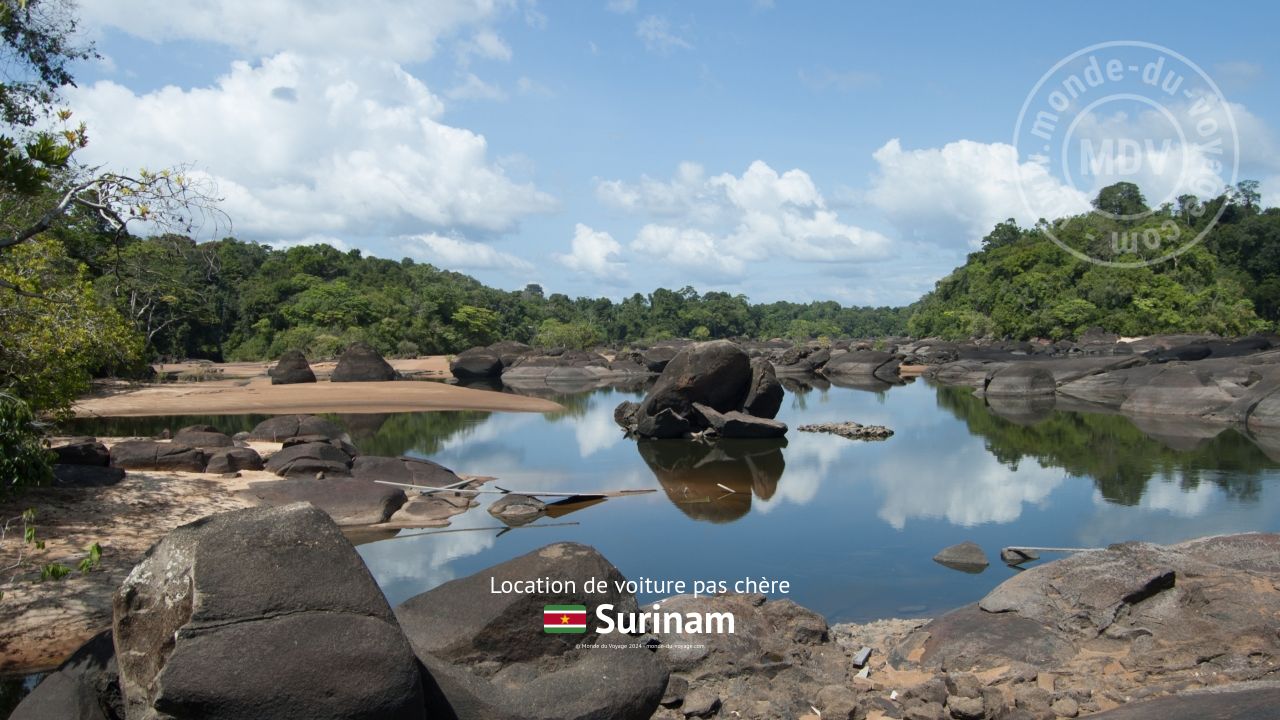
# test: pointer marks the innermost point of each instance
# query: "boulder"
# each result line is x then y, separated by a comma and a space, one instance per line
625, 415
487, 658
152, 455
411, 471
82, 451
478, 362
875, 363
517, 509
283, 427
229, 460
1243, 701
965, 557
265, 613
1181, 390
764, 398
85, 687
716, 374
1111, 388
345, 500
291, 369
1021, 380
508, 351
1184, 353
308, 459
82, 476
361, 363
737, 425
200, 437
656, 358
666, 425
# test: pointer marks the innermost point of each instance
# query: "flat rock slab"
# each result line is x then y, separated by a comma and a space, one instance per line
1249, 703
345, 500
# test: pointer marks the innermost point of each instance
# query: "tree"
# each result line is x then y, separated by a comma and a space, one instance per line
1122, 200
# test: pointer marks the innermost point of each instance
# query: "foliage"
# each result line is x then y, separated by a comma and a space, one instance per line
1022, 286
573, 335
23, 459
55, 330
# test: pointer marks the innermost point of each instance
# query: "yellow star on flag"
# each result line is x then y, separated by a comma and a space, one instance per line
564, 619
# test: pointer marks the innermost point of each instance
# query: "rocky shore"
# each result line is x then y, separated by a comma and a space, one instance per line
1132, 631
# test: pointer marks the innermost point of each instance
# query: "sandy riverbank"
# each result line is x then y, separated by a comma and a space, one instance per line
244, 388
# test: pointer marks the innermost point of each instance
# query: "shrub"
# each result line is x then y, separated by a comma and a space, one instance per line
23, 459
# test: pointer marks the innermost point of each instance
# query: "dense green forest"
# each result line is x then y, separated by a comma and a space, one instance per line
1020, 285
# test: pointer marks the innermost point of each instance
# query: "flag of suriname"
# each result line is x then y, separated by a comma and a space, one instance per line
564, 618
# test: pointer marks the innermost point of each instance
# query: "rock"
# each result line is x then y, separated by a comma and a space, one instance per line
84, 476
488, 660
700, 703
1265, 414
1018, 556
345, 500
1110, 388
1184, 353
266, 613
625, 415
231, 460
677, 688
665, 425
966, 708
927, 711
764, 398
152, 455
736, 425
966, 557
361, 363
971, 639
1182, 391
291, 369
85, 687
509, 351
656, 358
1021, 379
851, 430
1246, 701
478, 362
875, 363
716, 374
933, 690
199, 437
309, 458
82, 451
410, 471
339, 443
517, 509
1065, 707
283, 427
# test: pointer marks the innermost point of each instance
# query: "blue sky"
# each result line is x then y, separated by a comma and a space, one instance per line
786, 150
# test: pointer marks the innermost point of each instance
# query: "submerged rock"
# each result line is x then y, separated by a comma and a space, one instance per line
965, 557
850, 430
517, 509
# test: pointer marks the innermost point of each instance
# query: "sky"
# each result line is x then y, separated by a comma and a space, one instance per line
783, 150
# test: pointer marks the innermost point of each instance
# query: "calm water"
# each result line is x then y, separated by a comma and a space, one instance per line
851, 525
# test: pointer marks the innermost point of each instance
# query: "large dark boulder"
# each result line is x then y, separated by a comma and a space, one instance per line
283, 427
478, 362
152, 455
361, 363
261, 614
508, 351
202, 436
82, 451
865, 363
1021, 380
656, 358
292, 369
764, 399
229, 460
307, 459
738, 425
716, 374
347, 501
488, 658
85, 687
83, 476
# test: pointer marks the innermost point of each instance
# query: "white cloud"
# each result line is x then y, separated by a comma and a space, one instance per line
719, 224
593, 252
621, 7
385, 29
456, 253
300, 146
485, 44
473, 88
960, 191
656, 32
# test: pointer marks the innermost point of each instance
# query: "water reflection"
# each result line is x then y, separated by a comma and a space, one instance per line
715, 482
